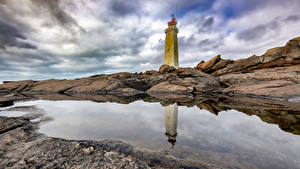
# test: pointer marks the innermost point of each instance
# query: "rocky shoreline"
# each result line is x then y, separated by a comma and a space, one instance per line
267, 86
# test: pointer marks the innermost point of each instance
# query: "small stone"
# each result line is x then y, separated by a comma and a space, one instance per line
166, 69
88, 150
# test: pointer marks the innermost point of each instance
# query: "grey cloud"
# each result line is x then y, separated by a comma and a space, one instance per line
259, 31
158, 59
57, 13
205, 42
192, 43
9, 35
208, 22
160, 46
186, 43
124, 7
252, 33
25, 45
292, 18
37, 59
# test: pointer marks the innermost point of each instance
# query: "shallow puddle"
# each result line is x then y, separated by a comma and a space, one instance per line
229, 139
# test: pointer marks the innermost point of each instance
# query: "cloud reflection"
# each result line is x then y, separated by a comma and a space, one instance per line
243, 141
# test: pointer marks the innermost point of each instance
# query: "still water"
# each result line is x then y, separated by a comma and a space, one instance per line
231, 139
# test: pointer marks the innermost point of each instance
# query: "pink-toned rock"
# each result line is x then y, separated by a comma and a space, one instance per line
57, 86
95, 86
167, 87
214, 64
14, 86
276, 57
274, 88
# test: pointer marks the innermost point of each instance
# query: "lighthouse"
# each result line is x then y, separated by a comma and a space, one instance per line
171, 117
171, 44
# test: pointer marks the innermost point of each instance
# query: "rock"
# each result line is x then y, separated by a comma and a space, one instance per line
8, 124
141, 84
275, 74
126, 83
88, 150
214, 64
279, 82
16, 86
209, 64
166, 87
275, 57
274, 88
120, 75
151, 72
186, 80
56, 86
95, 86
166, 69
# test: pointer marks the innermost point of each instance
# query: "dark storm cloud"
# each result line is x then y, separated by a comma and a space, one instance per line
9, 36
124, 7
192, 43
57, 13
292, 18
253, 33
186, 42
259, 31
208, 22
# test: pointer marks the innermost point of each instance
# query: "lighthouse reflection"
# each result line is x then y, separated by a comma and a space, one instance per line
171, 118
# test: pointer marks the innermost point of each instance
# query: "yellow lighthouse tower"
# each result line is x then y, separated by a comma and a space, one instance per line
171, 117
171, 44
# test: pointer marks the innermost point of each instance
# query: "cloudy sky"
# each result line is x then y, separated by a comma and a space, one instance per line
42, 39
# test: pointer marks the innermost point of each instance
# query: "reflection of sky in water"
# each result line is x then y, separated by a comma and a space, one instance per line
229, 139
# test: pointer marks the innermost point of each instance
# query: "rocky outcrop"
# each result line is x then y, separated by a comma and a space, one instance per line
168, 79
279, 82
275, 74
213, 65
275, 57
185, 80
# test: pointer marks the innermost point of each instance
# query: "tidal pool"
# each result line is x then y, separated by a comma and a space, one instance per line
230, 139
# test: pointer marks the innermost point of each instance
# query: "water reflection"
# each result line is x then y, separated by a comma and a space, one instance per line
171, 118
230, 139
